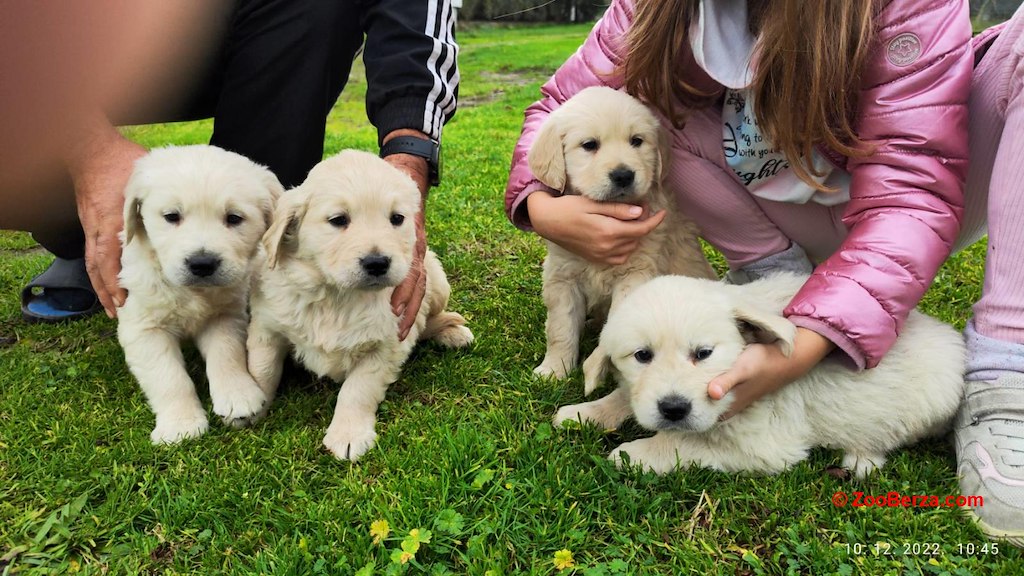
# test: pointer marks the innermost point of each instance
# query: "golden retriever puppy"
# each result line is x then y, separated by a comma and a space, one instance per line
193, 220
339, 245
609, 147
671, 336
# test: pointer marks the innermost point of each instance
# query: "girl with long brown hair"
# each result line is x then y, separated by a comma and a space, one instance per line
826, 137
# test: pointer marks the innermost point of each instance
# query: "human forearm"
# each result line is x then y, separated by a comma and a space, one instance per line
100, 161
408, 296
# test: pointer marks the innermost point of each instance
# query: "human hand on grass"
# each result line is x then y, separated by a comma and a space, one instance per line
100, 165
762, 369
601, 232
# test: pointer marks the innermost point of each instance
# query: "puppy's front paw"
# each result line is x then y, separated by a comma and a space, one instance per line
350, 442
648, 453
584, 413
862, 465
171, 429
555, 369
240, 402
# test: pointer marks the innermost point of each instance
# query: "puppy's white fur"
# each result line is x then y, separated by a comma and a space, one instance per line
193, 219
671, 336
599, 136
326, 292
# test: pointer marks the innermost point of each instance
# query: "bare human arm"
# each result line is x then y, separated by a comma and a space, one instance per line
408, 296
100, 163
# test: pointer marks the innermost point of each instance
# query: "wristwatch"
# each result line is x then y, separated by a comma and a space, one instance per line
422, 147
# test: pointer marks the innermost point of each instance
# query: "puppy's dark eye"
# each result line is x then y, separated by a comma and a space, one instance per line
233, 219
644, 355
339, 221
636, 141
172, 217
590, 145
702, 353
397, 219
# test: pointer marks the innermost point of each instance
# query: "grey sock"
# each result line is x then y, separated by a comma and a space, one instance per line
792, 259
988, 357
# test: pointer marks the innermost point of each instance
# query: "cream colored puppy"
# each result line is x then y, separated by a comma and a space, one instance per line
339, 245
193, 219
671, 336
607, 146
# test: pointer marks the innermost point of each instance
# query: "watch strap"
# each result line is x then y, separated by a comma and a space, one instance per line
422, 147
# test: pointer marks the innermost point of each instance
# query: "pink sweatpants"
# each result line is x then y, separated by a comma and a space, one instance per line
997, 173
994, 181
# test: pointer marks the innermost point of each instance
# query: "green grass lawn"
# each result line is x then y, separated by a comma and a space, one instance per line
468, 476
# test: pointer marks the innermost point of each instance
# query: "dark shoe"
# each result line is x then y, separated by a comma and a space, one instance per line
62, 292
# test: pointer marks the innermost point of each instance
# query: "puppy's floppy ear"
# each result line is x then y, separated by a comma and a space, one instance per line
134, 191
760, 326
595, 369
547, 156
664, 158
274, 187
288, 215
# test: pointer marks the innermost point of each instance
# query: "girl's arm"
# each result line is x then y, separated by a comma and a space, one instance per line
906, 201
906, 198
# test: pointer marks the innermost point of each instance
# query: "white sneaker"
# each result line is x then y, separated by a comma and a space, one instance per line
990, 455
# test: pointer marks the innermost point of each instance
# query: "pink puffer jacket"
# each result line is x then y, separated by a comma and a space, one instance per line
906, 199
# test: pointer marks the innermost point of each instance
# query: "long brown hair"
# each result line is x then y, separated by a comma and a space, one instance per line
809, 58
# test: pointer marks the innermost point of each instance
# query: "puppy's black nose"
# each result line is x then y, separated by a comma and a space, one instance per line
375, 265
202, 265
622, 177
674, 408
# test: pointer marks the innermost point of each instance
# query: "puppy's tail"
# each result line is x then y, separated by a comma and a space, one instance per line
448, 329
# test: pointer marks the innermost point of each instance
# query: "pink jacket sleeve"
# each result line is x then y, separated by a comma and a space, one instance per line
906, 198
593, 64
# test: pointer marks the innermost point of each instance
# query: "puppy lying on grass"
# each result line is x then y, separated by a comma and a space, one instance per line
607, 146
338, 246
193, 219
673, 335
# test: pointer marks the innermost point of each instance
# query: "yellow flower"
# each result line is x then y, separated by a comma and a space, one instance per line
563, 559
406, 557
379, 529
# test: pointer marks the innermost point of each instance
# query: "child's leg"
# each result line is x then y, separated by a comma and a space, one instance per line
990, 426
728, 216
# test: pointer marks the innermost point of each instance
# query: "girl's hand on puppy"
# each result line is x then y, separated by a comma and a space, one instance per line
601, 232
762, 369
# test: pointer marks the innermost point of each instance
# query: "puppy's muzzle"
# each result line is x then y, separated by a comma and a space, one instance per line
375, 265
202, 264
674, 409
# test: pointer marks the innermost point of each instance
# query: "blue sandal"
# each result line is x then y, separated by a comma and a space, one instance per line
62, 292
